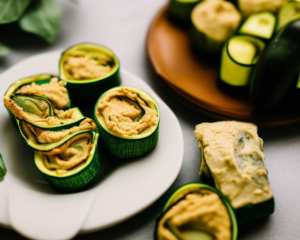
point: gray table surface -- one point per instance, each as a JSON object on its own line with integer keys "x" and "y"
{"x": 122, "y": 26}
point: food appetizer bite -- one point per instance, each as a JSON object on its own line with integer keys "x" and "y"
{"x": 213, "y": 23}
{"x": 196, "y": 211}
{"x": 68, "y": 159}
{"x": 89, "y": 70}
{"x": 42, "y": 101}
{"x": 233, "y": 158}
{"x": 128, "y": 121}
{"x": 248, "y": 7}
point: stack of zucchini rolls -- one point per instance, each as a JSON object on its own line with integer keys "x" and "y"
{"x": 64, "y": 140}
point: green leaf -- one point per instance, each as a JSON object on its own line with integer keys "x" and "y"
{"x": 2, "y": 168}
{"x": 12, "y": 10}
{"x": 3, "y": 50}
{"x": 43, "y": 19}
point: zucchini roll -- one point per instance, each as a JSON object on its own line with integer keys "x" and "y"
{"x": 233, "y": 159}
{"x": 42, "y": 101}
{"x": 180, "y": 10}
{"x": 128, "y": 121}
{"x": 239, "y": 55}
{"x": 196, "y": 211}
{"x": 72, "y": 165}
{"x": 89, "y": 70}
{"x": 213, "y": 23}
{"x": 288, "y": 13}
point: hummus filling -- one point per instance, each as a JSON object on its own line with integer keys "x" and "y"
{"x": 232, "y": 154}
{"x": 82, "y": 65}
{"x": 125, "y": 113}
{"x": 218, "y": 19}
{"x": 248, "y": 7}
{"x": 74, "y": 152}
{"x": 55, "y": 90}
{"x": 46, "y": 136}
{"x": 201, "y": 211}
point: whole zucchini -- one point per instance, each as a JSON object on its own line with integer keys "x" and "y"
{"x": 277, "y": 68}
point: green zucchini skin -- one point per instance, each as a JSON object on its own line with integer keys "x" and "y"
{"x": 171, "y": 202}
{"x": 88, "y": 91}
{"x": 127, "y": 147}
{"x": 78, "y": 180}
{"x": 277, "y": 68}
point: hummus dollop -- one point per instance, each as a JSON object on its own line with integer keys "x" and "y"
{"x": 126, "y": 113}
{"x": 232, "y": 152}
{"x": 201, "y": 211}
{"x": 84, "y": 66}
{"x": 248, "y": 7}
{"x": 55, "y": 90}
{"x": 218, "y": 19}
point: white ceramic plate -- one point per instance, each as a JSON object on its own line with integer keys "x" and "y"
{"x": 32, "y": 208}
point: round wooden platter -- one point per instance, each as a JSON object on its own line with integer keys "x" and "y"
{"x": 194, "y": 78}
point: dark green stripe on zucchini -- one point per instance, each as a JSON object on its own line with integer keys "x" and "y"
{"x": 180, "y": 10}
{"x": 75, "y": 178}
{"x": 277, "y": 68}
{"x": 179, "y": 195}
{"x": 239, "y": 56}
{"x": 87, "y": 90}
{"x": 122, "y": 146}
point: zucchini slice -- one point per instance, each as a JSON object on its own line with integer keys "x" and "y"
{"x": 288, "y": 13}
{"x": 196, "y": 211}
{"x": 3, "y": 169}
{"x": 47, "y": 139}
{"x": 89, "y": 70}
{"x": 128, "y": 121}
{"x": 232, "y": 158}
{"x": 277, "y": 68}
{"x": 261, "y": 25}
{"x": 213, "y": 22}
{"x": 180, "y": 10}
{"x": 73, "y": 165}
{"x": 240, "y": 54}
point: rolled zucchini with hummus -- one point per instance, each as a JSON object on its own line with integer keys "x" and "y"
{"x": 72, "y": 165}
{"x": 89, "y": 70}
{"x": 233, "y": 160}
{"x": 42, "y": 101}
{"x": 128, "y": 121}
{"x": 196, "y": 211}
{"x": 213, "y": 22}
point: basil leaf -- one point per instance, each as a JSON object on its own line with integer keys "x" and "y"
{"x": 2, "y": 168}
{"x": 12, "y": 10}
{"x": 3, "y": 50}
{"x": 42, "y": 19}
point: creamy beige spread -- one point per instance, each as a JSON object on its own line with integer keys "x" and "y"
{"x": 55, "y": 90}
{"x": 46, "y": 136}
{"x": 248, "y": 7}
{"x": 217, "y": 19}
{"x": 83, "y": 66}
{"x": 232, "y": 153}
{"x": 126, "y": 113}
{"x": 71, "y": 154}
{"x": 201, "y": 211}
